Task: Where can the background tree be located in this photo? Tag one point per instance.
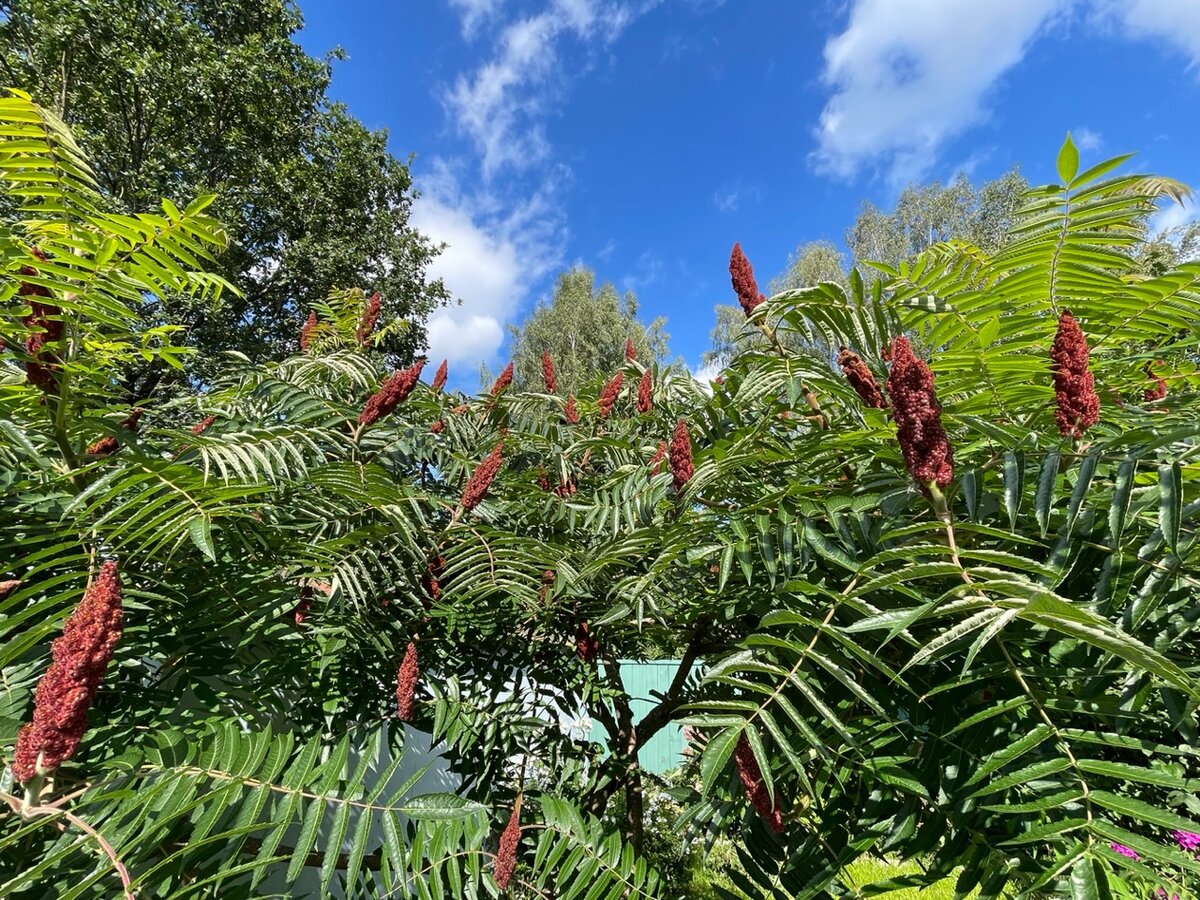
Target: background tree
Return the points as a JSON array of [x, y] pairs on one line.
[[175, 99], [584, 328]]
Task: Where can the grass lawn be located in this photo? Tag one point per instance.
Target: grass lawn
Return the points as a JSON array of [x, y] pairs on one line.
[[867, 869]]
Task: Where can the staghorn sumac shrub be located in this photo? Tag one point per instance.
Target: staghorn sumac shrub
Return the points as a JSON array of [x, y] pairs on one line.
[[984, 665]]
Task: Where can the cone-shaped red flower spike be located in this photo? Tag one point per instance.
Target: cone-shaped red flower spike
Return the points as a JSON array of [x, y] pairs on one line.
[[1078, 404], [608, 396], [927, 451], [438, 427], [645, 403], [657, 459], [506, 854], [366, 325], [7, 587], [307, 330], [109, 445], [43, 363], [571, 412], [431, 580], [406, 683], [481, 479], [1150, 395], [682, 469], [630, 350], [861, 378], [741, 274], [65, 693], [203, 425], [503, 381], [586, 646], [756, 788], [391, 394], [439, 377], [548, 376]]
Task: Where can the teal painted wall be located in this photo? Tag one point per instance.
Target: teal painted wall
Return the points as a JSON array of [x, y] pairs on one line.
[[664, 751]]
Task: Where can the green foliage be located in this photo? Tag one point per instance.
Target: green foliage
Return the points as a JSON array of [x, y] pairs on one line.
[[584, 329], [176, 99], [999, 680]]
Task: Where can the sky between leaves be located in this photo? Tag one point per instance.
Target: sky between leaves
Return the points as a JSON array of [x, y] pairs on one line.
[[643, 137]]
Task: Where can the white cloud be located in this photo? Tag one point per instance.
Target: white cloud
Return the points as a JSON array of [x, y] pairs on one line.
[[1173, 215], [907, 75], [706, 373], [1175, 21], [726, 201], [500, 105], [1087, 140], [475, 13]]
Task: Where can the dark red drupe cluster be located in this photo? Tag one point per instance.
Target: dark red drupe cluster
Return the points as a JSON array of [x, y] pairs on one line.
[[682, 468], [439, 377], [307, 330], [861, 378], [609, 394], [109, 445], [756, 788], [586, 645], [203, 425], [481, 479], [506, 853], [741, 273], [366, 325], [645, 402], [1076, 400], [548, 376], [571, 412], [391, 394], [45, 319], [656, 460], [1150, 395], [406, 683], [503, 381], [923, 441], [65, 693]]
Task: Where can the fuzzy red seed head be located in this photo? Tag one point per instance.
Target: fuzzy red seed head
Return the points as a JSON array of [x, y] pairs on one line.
[[630, 350], [609, 394], [481, 479], [439, 377], [1150, 395], [438, 427], [461, 410], [503, 381], [203, 425], [741, 274], [406, 683], [307, 330], [755, 787], [1076, 400], [130, 423], [106, 446], [586, 645], [549, 378], [46, 321], [391, 394], [656, 460], [861, 378], [7, 587], [431, 580], [682, 468], [923, 441], [366, 325], [78, 660], [506, 853], [303, 608], [571, 412], [645, 402]]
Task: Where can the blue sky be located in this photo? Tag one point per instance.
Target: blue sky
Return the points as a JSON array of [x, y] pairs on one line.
[[643, 137]]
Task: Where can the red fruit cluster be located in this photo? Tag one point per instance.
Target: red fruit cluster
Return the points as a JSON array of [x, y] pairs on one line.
[[307, 330], [506, 853], [438, 427], [304, 607], [406, 683], [630, 350], [108, 445], [682, 468], [45, 319], [393, 392], [503, 381], [7, 587], [1150, 395], [608, 396], [431, 580], [439, 377], [203, 425], [549, 378], [566, 489], [741, 273], [1078, 404], [756, 788], [547, 585], [366, 325], [861, 378], [571, 412], [927, 451], [644, 401], [586, 646], [481, 479], [65, 693], [657, 459]]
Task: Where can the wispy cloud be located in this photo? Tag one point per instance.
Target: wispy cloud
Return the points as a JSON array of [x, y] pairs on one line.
[[907, 75], [1177, 22], [475, 13], [1086, 139]]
